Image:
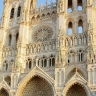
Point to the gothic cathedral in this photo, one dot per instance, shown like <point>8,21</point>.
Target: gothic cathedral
<point>48,50</point>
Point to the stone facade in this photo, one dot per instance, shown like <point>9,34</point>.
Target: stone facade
<point>48,51</point>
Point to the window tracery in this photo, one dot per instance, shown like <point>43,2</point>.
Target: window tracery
<point>42,34</point>
<point>52,60</point>
<point>44,62</point>
<point>29,64</point>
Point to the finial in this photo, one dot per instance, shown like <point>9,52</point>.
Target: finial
<point>46,2</point>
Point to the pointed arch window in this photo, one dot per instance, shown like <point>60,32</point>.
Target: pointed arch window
<point>80,56</point>
<point>19,11</point>
<point>79,5</point>
<point>44,62</point>
<point>17,36</point>
<point>70,5</point>
<point>52,61</point>
<point>10,39</point>
<point>80,26</point>
<point>29,64</point>
<point>6,66</point>
<point>12,13</point>
<point>70,28</point>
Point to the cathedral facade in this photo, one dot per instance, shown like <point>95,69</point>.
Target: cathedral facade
<point>48,50</point>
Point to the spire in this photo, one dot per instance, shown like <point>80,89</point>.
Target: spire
<point>46,2</point>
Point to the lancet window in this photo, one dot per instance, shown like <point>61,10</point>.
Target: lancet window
<point>12,13</point>
<point>70,6</point>
<point>19,11</point>
<point>70,28</point>
<point>80,26</point>
<point>44,62</point>
<point>29,64</point>
<point>52,61</point>
<point>10,39</point>
<point>80,56</point>
<point>79,5</point>
<point>17,36</point>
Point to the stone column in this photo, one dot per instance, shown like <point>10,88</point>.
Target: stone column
<point>71,58</point>
<point>66,4</point>
<point>88,77</point>
<point>75,57</point>
<point>7,41</point>
<point>62,78</point>
<point>36,61</point>
<point>93,76</point>
<point>12,81</point>
<point>13,43</point>
<point>47,62</point>
<point>76,27</point>
<point>80,57</point>
<point>57,79</point>
<point>83,4</point>
<point>40,64</point>
<point>74,3</point>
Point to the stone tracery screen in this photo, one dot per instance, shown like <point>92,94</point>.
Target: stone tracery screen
<point>42,34</point>
<point>38,86</point>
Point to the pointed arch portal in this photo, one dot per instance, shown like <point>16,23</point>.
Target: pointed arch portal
<point>76,90</point>
<point>3,92</point>
<point>37,86</point>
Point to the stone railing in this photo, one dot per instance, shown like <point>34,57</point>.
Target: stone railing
<point>41,47</point>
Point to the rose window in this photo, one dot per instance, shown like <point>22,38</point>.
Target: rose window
<point>42,34</point>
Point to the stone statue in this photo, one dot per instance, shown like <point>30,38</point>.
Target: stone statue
<point>89,25</point>
<point>24,15</point>
<point>88,2</point>
<point>75,41</point>
<point>61,6</point>
<point>79,40</point>
<point>66,43</point>
<point>84,40</point>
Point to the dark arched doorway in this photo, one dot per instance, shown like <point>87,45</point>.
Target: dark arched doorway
<point>37,86</point>
<point>3,92</point>
<point>76,90</point>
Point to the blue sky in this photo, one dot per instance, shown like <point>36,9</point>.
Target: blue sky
<point>39,2</point>
<point>1,7</point>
